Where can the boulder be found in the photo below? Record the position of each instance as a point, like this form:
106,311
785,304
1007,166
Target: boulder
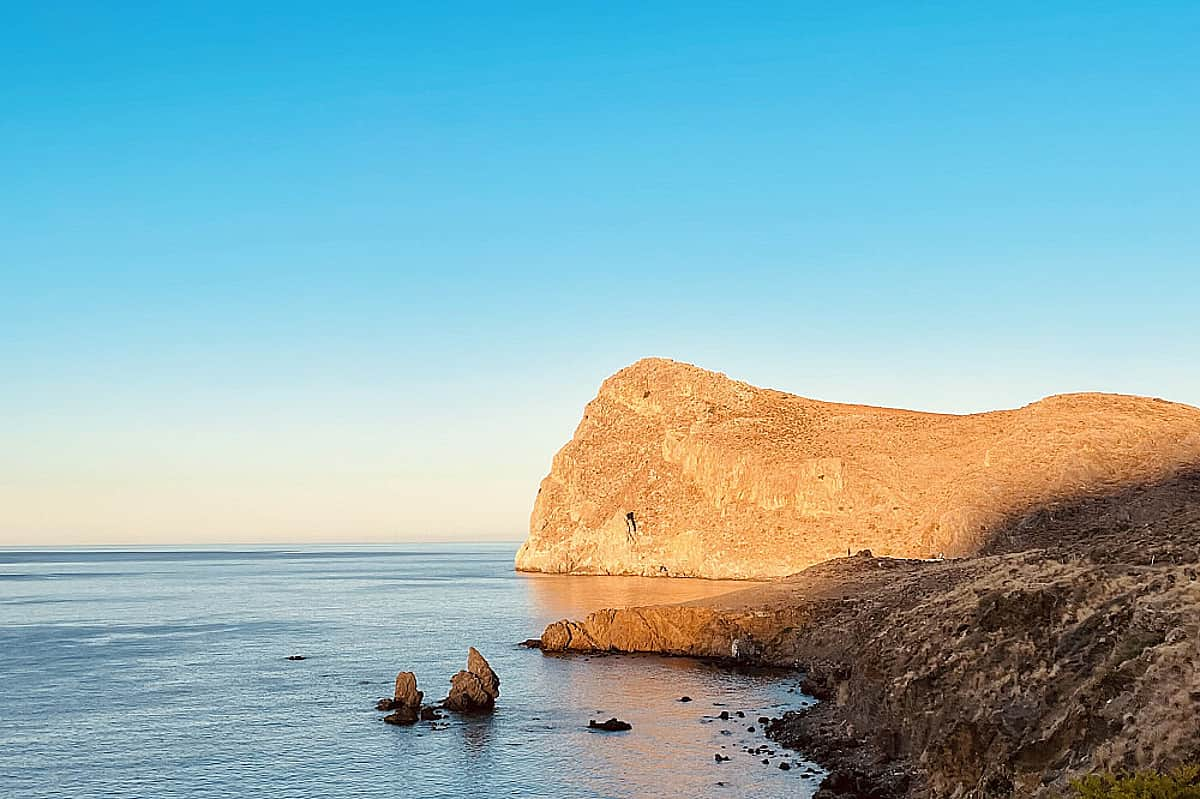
403,716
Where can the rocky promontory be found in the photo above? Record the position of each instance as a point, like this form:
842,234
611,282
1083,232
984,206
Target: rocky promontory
1024,607
679,471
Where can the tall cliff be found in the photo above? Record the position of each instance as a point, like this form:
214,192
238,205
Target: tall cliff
675,470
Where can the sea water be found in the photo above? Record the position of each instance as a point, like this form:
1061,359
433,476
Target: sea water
165,672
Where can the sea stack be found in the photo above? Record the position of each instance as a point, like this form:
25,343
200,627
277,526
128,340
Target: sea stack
406,701
476,689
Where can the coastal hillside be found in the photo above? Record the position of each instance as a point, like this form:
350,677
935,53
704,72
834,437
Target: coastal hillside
678,471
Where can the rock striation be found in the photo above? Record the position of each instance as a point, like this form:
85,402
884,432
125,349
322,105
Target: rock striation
679,471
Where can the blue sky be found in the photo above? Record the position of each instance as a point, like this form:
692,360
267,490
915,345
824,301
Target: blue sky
350,271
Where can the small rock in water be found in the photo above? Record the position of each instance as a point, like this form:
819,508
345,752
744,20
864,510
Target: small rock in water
476,689
720,758
406,693
430,714
532,643
740,715
297,657
763,720
724,716
685,699
402,717
612,725
784,765
766,762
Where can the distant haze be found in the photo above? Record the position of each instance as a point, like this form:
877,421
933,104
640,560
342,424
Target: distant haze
359,283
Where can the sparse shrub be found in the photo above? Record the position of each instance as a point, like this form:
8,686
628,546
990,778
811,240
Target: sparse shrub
1182,783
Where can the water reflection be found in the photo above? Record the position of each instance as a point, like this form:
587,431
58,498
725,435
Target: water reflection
670,751
558,596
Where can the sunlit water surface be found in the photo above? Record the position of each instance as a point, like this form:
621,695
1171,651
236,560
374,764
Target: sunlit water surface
139,673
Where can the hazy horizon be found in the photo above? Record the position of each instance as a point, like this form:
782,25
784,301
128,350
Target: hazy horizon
352,274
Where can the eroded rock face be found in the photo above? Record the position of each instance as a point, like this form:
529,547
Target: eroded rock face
476,689
679,471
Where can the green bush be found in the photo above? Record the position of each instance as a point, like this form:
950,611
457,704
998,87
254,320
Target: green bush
1182,783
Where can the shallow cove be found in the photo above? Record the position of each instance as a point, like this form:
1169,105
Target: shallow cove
148,673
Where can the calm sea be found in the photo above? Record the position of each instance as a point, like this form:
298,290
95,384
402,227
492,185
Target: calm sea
159,673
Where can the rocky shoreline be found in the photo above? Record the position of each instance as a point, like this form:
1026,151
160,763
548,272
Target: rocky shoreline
1006,674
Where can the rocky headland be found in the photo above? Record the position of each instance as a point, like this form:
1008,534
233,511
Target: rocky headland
678,471
1025,608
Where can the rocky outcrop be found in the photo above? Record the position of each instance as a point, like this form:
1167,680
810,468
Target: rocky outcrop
406,693
472,691
476,689
406,701
679,471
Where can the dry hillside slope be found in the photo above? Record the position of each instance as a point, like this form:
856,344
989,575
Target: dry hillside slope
726,480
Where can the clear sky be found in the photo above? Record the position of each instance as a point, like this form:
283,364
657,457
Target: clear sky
350,271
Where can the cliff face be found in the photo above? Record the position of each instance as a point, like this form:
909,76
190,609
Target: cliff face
725,480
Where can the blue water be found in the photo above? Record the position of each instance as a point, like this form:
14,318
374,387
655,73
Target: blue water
139,673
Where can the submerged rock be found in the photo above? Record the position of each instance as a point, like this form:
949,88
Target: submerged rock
403,717
476,689
612,725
